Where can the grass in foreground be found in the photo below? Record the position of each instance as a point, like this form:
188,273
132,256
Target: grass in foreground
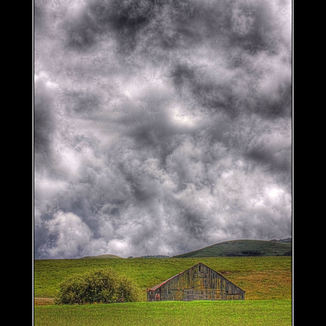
261,277
230,313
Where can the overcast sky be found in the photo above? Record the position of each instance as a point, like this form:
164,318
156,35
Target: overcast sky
161,126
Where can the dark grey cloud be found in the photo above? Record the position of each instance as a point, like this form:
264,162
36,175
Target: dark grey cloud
124,19
278,162
172,24
82,103
160,121
215,97
44,125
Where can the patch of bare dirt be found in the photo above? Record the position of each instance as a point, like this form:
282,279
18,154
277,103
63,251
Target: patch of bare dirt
43,301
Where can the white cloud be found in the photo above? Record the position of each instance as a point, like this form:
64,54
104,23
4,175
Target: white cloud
72,235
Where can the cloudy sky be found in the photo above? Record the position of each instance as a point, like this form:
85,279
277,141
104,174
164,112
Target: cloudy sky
161,126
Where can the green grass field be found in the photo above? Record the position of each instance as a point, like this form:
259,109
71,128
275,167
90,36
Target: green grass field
261,277
266,280
226,313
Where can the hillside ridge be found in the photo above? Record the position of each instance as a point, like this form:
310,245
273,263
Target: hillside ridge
101,257
243,247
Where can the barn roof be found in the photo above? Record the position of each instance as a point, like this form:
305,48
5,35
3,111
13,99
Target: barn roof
169,279
174,276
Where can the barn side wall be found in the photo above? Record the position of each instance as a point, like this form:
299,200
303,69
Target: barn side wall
197,283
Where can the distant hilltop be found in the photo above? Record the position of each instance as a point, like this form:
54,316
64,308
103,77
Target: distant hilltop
101,257
155,256
283,240
233,248
239,248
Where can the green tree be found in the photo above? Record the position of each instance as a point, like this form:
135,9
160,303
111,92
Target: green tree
101,286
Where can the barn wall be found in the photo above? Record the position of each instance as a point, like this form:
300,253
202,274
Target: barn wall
197,283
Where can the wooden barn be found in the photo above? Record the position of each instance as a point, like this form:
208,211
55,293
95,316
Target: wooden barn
199,282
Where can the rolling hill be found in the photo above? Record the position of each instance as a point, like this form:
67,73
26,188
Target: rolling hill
262,278
101,256
240,248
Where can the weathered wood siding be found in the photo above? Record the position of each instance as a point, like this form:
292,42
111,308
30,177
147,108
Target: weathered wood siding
197,283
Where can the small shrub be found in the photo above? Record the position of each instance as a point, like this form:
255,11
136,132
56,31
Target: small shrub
102,286
126,291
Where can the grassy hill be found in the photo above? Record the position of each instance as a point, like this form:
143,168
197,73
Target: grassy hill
260,277
101,257
239,248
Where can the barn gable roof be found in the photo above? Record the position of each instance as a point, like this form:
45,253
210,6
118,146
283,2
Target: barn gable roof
154,288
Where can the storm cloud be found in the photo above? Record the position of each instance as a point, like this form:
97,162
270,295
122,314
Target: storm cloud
160,126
